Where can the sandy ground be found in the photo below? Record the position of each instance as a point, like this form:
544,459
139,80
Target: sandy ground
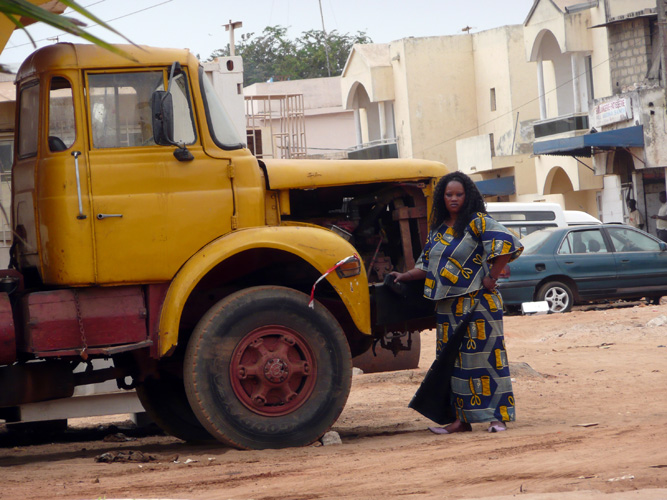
591,392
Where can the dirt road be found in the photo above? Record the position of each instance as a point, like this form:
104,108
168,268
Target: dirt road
591,392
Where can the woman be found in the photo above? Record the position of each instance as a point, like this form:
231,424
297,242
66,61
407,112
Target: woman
464,254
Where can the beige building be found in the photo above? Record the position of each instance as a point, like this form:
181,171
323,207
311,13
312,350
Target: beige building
466,100
602,101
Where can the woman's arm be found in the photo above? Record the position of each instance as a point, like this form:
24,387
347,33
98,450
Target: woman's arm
411,275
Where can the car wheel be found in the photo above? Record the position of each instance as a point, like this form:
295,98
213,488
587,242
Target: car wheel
264,370
558,296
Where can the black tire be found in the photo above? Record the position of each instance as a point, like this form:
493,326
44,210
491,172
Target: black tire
558,295
263,370
166,403
654,300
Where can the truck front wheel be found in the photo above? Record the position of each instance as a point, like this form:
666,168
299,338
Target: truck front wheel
263,370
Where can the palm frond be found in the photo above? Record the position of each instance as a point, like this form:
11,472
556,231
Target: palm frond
23,8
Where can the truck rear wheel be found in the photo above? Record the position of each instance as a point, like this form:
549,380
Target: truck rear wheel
263,370
166,403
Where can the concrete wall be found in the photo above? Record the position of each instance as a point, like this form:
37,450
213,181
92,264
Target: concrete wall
625,8
491,67
500,65
630,52
473,154
439,93
330,135
651,108
523,96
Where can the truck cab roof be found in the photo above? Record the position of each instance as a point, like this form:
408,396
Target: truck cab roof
73,56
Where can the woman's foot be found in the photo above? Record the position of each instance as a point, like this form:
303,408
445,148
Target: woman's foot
456,426
497,427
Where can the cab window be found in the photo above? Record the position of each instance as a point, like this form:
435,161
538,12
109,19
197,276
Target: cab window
28,121
62,127
120,108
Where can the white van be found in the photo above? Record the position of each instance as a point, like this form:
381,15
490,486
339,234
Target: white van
524,218
578,218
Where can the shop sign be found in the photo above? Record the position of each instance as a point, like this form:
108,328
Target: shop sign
616,110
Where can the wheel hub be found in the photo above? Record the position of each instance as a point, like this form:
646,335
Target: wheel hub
273,370
276,370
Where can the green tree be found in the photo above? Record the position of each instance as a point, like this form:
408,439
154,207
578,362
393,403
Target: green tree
272,55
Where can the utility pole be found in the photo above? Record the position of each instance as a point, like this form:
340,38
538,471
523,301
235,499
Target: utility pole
231,27
326,43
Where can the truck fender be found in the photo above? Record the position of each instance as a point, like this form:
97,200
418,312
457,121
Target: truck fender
317,246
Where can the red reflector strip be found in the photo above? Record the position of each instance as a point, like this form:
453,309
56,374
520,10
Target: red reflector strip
346,260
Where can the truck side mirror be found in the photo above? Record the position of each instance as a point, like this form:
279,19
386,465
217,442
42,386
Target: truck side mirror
162,110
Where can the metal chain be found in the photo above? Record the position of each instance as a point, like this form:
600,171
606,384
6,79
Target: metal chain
82,353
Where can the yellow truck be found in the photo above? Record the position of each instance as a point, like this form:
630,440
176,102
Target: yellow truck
231,292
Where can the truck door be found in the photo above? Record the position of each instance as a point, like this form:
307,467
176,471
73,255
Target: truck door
50,183
151,212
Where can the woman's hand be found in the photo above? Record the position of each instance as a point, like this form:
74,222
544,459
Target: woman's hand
411,275
398,277
489,283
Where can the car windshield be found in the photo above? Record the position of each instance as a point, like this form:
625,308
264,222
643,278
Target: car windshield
533,241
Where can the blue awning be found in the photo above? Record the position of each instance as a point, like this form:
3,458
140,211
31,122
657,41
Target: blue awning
629,137
501,186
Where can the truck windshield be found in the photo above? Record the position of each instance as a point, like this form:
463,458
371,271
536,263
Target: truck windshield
222,128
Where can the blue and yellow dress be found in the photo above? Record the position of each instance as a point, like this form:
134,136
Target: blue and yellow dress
455,267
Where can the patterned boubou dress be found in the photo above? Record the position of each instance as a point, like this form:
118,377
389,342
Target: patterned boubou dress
455,268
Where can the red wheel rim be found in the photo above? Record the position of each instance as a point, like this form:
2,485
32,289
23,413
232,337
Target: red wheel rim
273,371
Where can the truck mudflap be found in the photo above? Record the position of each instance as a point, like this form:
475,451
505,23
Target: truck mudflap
7,334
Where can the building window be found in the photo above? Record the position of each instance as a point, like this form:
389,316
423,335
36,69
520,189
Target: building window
493,147
589,77
493,99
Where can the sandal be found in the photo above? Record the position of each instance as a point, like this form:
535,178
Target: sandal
497,428
443,430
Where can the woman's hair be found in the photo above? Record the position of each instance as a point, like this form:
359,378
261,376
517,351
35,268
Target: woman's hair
474,202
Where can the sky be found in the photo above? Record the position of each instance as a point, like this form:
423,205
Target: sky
198,25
